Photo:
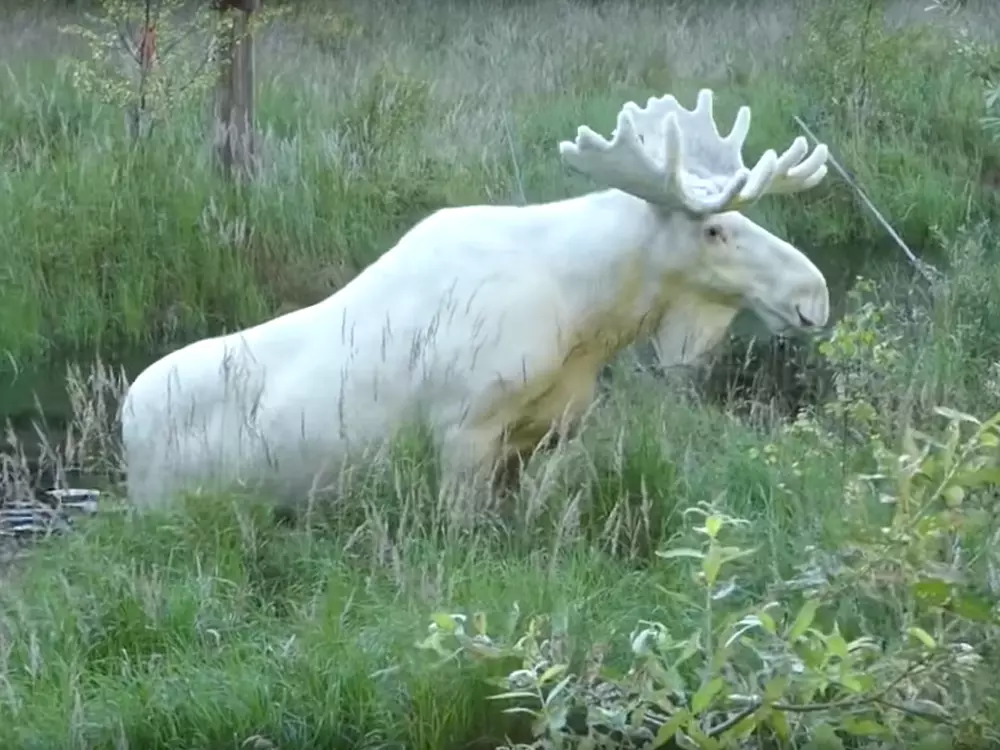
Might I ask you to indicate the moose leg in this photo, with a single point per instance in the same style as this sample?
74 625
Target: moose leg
506 477
468 460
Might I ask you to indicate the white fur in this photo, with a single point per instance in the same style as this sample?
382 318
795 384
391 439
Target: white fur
487 322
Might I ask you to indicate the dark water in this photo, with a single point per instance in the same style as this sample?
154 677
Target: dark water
22 391
36 400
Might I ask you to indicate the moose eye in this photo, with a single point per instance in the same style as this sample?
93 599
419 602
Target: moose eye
713 232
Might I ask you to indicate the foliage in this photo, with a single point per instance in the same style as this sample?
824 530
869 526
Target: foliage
149 82
153 57
791 664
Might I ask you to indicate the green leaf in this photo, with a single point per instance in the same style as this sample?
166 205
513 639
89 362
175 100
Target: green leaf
691 647
955 416
669 554
803 620
713 524
972 607
932 592
852 682
735 553
837 646
909 443
812 655
711 565
743 728
865 727
823 737
479 623
513 694
556 720
923 636
433 643
953 495
701 740
702 699
989 439
775 688
866 682
552 673
667 731
779 722
444 621
767 622
977 478
672 680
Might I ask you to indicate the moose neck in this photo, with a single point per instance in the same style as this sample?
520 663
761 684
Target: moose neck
690 327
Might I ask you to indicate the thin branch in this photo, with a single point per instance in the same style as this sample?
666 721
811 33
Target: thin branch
839 705
127 44
197 71
187 30
927 715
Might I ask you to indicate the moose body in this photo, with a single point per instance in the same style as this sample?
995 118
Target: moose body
488 324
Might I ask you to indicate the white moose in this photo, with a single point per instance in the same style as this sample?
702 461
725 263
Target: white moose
490 324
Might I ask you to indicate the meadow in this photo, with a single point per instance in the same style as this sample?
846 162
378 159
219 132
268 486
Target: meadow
797 547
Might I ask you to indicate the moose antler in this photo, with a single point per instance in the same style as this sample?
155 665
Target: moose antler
675 157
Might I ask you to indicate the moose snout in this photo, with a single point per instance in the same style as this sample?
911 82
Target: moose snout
814 311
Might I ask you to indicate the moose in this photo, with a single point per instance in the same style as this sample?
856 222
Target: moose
490 323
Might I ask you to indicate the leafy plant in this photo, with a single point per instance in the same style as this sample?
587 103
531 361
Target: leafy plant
144 59
151 58
781 667
800 661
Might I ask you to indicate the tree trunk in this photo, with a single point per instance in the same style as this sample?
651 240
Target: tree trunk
234 100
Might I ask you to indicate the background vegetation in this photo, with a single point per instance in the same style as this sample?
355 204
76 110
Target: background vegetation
847 530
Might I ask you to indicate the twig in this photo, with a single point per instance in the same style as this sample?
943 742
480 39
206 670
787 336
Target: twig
930 274
846 703
916 712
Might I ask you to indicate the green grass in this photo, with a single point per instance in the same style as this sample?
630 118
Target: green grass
365 132
212 624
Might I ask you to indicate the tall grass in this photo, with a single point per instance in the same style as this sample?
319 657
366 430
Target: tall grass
371 122
214 626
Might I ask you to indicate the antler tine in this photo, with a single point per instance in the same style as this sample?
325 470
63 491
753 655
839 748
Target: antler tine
741 128
704 107
624 163
808 173
789 173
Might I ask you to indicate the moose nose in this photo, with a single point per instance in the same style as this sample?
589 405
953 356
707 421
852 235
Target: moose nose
804 321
